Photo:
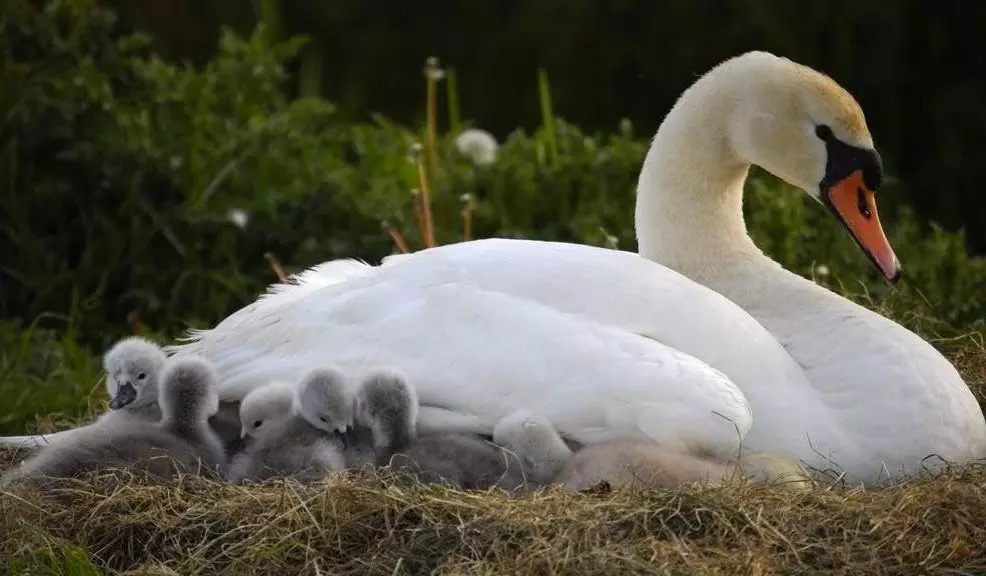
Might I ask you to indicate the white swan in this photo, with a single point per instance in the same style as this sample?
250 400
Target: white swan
574 332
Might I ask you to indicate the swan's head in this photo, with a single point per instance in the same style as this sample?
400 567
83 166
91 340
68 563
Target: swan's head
322 398
188 390
804 128
133 367
264 405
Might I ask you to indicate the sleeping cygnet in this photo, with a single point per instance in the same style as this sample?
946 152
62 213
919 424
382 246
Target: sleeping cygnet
388 405
308 444
641 465
182 442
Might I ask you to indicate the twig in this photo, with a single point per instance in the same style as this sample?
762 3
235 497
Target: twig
396 236
467 209
611 241
419 215
135 322
429 232
275 265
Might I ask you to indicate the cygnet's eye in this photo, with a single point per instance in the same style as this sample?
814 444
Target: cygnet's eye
323 419
824 132
141 376
257 423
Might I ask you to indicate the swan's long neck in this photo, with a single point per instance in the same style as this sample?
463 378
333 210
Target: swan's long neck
690 194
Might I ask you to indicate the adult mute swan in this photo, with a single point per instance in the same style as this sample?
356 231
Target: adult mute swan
591 338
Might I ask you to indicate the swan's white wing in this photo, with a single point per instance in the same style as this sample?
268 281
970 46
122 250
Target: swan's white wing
474 356
612 288
319 276
633 294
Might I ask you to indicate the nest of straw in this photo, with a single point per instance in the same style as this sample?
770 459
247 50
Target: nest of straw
352 524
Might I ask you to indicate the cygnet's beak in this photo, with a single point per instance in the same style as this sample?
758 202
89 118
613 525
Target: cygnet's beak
855 206
125 395
243 433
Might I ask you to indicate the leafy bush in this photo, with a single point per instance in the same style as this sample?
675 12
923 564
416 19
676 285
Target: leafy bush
120 171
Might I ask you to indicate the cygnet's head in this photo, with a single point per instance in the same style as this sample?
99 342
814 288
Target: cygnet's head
133 368
388 405
804 128
188 390
323 399
265 405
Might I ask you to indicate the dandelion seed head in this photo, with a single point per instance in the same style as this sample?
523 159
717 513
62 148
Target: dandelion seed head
478 145
238 218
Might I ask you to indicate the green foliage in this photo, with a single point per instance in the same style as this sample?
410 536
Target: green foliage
119 170
46 373
56 557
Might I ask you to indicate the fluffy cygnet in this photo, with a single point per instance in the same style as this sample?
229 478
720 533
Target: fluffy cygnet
388 405
182 442
308 444
133 369
641 465
261 407
133 366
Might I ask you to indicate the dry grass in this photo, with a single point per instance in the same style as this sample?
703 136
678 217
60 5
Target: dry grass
352 526
113 523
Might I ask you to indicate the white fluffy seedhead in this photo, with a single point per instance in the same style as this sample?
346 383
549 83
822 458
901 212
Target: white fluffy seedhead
133 369
264 405
323 399
188 390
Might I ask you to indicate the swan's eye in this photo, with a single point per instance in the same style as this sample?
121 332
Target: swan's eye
861 204
824 132
141 376
257 423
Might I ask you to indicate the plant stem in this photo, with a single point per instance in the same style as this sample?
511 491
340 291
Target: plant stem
452 92
310 70
432 124
275 265
419 214
397 237
269 13
429 237
467 217
547 116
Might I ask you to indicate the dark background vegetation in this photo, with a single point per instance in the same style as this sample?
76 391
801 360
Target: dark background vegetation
918 68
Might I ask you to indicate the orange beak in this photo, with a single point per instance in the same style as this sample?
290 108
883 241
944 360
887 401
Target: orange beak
855 205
